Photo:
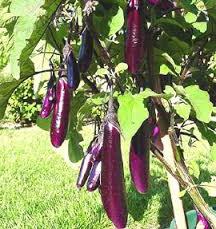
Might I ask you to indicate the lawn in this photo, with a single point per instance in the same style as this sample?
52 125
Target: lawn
38 188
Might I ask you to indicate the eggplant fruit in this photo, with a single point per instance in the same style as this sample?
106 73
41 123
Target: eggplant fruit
202 221
48 103
134 46
59 124
112 175
94 177
73 74
139 157
86 51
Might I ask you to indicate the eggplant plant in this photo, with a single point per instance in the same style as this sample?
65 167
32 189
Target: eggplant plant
117 62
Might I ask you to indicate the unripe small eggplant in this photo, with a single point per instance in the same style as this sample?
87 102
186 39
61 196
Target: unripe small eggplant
86 51
94 177
59 124
134 46
48 103
112 175
139 157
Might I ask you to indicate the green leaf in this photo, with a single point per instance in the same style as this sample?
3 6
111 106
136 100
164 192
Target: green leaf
213 152
194 169
75 150
44 123
116 22
210 187
183 110
190 17
182 193
28 30
131 114
7 87
199 99
201 26
121 67
102 72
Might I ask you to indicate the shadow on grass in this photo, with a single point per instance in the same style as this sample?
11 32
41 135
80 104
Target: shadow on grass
138 203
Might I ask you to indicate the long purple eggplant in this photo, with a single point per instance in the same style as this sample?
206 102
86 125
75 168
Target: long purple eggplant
139 157
73 74
86 51
59 124
84 170
94 177
134 46
112 175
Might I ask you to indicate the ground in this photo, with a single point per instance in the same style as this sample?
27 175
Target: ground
38 188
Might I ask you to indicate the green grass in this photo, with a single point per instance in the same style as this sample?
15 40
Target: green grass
37 188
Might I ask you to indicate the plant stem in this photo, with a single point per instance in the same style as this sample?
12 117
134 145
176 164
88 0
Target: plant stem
168 153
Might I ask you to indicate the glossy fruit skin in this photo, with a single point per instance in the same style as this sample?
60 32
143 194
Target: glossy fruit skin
59 124
48 103
139 157
73 73
86 51
112 176
94 177
84 170
201 219
135 36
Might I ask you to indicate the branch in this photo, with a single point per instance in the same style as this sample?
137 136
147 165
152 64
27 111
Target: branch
191 60
90 84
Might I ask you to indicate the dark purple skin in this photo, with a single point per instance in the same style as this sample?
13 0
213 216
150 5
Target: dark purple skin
134 45
139 157
201 219
73 74
84 170
48 103
112 175
59 124
94 177
86 51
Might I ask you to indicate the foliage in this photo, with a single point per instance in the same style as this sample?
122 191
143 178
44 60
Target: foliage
183 50
23 106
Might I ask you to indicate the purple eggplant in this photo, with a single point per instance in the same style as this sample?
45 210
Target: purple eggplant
86 51
202 221
156 137
94 177
139 157
59 124
84 170
112 175
48 101
134 46
73 74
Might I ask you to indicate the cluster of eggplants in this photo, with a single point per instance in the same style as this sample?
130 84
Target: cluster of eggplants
90 169
139 157
134 45
162 4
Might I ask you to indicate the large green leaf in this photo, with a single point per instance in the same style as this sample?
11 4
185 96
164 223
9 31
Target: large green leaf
8 87
75 150
131 114
31 25
199 99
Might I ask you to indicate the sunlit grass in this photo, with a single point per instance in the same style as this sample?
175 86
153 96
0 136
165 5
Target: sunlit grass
37 188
